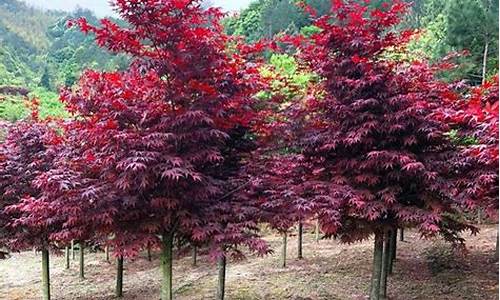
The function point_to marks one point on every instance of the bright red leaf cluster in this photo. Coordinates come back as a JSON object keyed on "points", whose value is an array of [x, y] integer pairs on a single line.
{"points": [[475, 121]]}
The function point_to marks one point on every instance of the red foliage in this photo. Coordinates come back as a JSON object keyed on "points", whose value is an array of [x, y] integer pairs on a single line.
{"points": [[25, 220], [14, 90], [187, 48], [278, 169], [378, 153], [476, 120], [158, 153], [277, 189]]}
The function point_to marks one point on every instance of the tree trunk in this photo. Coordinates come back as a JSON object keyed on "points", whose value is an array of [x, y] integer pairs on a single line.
{"points": [[316, 231], [221, 267], [402, 235], [485, 59], [148, 250], [82, 259], [45, 275], [66, 255], [119, 277], [394, 241], [390, 249], [283, 251], [378, 250], [166, 265], [496, 249], [386, 260], [195, 256], [299, 241], [393, 238], [106, 253], [73, 249]]}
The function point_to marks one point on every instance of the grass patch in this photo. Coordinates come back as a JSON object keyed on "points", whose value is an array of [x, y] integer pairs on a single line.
{"points": [[15, 108]]}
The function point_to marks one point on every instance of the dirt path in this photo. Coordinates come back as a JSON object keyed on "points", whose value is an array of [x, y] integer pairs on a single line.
{"points": [[424, 270]]}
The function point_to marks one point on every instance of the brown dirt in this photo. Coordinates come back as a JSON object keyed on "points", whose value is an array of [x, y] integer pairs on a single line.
{"points": [[423, 270]]}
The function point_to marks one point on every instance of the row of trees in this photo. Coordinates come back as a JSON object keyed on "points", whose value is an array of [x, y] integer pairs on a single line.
{"points": [[198, 142]]}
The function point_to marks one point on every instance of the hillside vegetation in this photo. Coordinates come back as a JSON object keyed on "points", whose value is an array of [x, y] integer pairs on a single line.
{"points": [[39, 52]]}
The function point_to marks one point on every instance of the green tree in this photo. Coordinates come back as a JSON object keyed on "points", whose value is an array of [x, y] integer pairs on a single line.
{"points": [[265, 18], [45, 80], [473, 25], [70, 74], [248, 22], [449, 25]]}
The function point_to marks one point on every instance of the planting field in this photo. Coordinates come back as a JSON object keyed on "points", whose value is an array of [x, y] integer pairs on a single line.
{"points": [[424, 270]]}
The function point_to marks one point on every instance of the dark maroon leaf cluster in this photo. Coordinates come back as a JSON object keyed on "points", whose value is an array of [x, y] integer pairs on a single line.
{"points": [[379, 157], [27, 153], [14, 90], [153, 147]]}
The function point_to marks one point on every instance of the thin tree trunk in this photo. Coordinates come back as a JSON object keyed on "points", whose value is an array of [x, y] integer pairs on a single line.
{"points": [[166, 266], [390, 249], [221, 267], [299, 241], [148, 250], [283, 251], [393, 237], [82, 259], [496, 249], [73, 249], [485, 59], [45, 274], [378, 250], [66, 255], [106, 253], [119, 277], [394, 240], [386, 260], [316, 231], [402, 235], [195, 256]]}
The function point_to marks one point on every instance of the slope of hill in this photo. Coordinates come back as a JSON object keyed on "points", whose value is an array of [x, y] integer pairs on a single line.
{"points": [[39, 52], [23, 38]]}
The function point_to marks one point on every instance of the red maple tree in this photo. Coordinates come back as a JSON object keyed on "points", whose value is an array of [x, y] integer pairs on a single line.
{"points": [[26, 153], [277, 189], [379, 156], [158, 134], [26, 219], [278, 169]]}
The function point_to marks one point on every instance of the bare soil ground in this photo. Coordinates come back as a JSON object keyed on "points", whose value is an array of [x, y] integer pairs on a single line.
{"points": [[423, 270]]}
